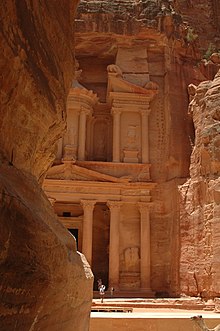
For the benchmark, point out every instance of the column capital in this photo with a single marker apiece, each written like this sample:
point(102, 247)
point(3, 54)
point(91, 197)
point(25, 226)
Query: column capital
point(144, 206)
point(114, 204)
point(116, 111)
point(88, 204)
point(85, 111)
point(76, 108)
point(145, 111)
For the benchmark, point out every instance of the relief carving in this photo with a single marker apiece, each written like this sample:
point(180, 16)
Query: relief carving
point(131, 259)
point(131, 139)
point(131, 145)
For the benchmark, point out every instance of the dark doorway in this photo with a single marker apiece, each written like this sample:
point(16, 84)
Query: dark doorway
point(100, 249)
point(75, 233)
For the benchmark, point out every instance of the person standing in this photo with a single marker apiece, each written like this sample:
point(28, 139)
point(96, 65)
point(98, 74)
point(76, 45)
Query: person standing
point(102, 292)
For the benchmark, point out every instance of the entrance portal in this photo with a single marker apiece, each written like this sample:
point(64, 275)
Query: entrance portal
point(100, 249)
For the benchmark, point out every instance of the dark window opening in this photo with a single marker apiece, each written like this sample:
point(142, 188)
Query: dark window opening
point(66, 214)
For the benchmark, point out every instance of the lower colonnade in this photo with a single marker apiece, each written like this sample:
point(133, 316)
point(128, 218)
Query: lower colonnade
point(114, 241)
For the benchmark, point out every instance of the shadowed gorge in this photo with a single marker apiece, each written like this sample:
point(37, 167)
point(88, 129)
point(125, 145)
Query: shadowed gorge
point(45, 284)
point(110, 118)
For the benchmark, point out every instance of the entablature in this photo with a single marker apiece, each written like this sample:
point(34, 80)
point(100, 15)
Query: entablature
point(121, 99)
point(75, 191)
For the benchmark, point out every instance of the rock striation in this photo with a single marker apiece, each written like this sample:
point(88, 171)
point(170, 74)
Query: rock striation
point(45, 284)
point(36, 60)
point(200, 197)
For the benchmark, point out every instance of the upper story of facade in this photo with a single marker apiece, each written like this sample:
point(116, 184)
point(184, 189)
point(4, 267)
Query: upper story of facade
point(107, 112)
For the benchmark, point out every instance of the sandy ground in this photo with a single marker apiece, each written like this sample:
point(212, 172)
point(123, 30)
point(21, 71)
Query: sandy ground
point(143, 312)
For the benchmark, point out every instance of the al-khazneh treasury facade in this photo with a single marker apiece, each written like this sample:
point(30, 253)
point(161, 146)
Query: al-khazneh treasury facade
point(100, 183)
point(116, 180)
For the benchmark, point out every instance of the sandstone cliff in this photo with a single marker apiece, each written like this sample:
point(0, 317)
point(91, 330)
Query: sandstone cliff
point(200, 197)
point(44, 283)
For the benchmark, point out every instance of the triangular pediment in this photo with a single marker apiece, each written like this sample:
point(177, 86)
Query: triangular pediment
point(71, 171)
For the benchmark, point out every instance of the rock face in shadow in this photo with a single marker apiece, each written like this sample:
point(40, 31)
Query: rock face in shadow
point(200, 212)
point(45, 284)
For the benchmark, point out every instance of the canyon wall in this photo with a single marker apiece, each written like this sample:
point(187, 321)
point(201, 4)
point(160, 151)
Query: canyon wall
point(172, 36)
point(45, 284)
point(200, 197)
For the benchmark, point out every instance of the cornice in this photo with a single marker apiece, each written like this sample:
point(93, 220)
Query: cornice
point(76, 183)
point(126, 97)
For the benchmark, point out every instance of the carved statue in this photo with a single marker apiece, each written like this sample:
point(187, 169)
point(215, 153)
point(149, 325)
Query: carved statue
point(201, 323)
point(78, 71)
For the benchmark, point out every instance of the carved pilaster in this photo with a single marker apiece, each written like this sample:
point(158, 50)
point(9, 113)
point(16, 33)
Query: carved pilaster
point(145, 134)
point(114, 207)
point(82, 134)
point(88, 207)
point(145, 246)
point(116, 134)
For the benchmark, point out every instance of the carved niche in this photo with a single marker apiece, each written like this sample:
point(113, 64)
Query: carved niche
point(99, 137)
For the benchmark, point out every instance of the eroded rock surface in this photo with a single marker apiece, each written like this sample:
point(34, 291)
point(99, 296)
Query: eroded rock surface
point(36, 71)
point(44, 283)
point(200, 213)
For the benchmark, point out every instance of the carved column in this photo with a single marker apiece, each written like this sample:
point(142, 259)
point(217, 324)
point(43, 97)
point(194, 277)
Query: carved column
point(88, 207)
point(145, 246)
point(116, 134)
point(145, 135)
point(82, 134)
point(114, 207)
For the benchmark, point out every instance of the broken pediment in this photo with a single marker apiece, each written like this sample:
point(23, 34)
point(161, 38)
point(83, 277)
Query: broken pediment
point(116, 83)
point(70, 171)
